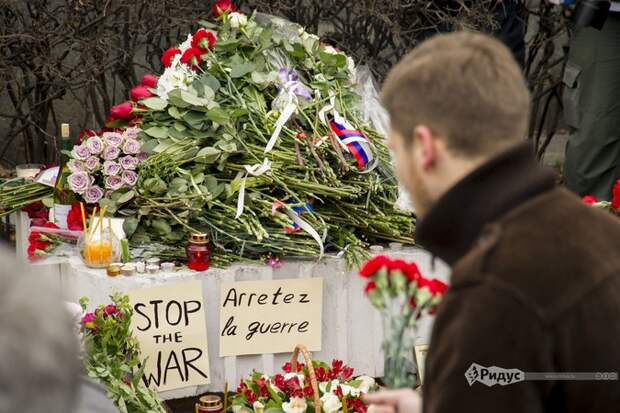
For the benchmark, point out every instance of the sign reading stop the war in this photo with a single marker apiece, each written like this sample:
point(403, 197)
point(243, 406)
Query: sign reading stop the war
point(169, 322)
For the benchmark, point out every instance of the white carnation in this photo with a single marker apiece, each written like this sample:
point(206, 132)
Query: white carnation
point(331, 403)
point(296, 405)
point(237, 20)
point(174, 77)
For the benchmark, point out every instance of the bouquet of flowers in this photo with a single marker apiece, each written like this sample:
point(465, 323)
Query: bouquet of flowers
point(612, 206)
point(292, 391)
point(102, 165)
point(398, 290)
point(113, 356)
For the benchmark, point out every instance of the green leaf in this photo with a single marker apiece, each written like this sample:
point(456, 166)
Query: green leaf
point(241, 70)
point(130, 225)
point(209, 154)
point(211, 82)
point(175, 112)
point(218, 115)
point(126, 197)
point(157, 131)
point(155, 103)
point(192, 99)
point(149, 146)
point(274, 410)
point(161, 226)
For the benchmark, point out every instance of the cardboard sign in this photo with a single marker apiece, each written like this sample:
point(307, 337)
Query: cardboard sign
point(259, 317)
point(169, 322)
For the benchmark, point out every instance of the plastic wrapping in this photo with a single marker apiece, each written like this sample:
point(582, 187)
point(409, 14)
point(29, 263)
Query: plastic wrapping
point(66, 241)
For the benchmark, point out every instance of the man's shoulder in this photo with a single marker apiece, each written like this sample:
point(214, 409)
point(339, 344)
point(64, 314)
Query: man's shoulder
point(551, 252)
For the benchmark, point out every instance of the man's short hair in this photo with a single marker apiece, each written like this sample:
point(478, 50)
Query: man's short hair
point(466, 87)
point(39, 364)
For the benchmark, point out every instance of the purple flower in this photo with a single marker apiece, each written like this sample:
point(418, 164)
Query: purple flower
point(76, 166)
point(128, 162)
point(131, 147)
point(92, 164)
point(113, 138)
point(111, 168)
point(110, 153)
point(142, 156)
point(93, 194)
point(113, 182)
point(130, 178)
point(78, 182)
point(80, 152)
point(132, 133)
point(94, 145)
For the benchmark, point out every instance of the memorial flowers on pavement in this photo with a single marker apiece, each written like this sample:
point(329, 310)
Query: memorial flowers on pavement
point(399, 291)
point(112, 356)
point(291, 391)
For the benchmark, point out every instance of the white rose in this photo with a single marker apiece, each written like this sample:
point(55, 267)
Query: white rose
point(331, 403)
point(296, 405)
point(367, 383)
point(237, 20)
point(349, 390)
point(258, 407)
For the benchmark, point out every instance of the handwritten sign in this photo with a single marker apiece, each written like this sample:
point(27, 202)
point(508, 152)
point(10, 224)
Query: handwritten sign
point(259, 317)
point(169, 322)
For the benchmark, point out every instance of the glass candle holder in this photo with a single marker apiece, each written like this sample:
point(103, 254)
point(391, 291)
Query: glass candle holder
point(99, 250)
point(198, 252)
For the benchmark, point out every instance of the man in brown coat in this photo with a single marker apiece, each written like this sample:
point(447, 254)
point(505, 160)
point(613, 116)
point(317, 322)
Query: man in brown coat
point(535, 285)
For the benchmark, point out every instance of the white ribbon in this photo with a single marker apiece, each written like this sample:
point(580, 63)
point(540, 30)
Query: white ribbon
point(303, 225)
point(286, 114)
point(254, 170)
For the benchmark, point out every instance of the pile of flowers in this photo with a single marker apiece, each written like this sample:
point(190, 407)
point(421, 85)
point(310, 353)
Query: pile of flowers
point(112, 356)
point(291, 391)
point(402, 295)
point(101, 165)
point(613, 206)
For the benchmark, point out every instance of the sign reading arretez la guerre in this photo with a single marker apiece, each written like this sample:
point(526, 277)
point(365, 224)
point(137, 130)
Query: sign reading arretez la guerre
point(261, 317)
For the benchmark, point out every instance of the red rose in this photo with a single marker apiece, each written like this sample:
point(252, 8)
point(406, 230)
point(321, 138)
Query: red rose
point(615, 195)
point(373, 265)
point(192, 58)
point(74, 218)
point(149, 80)
point(370, 287)
point(168, 55)
point(589, 199)
point(122, 111)
point(203, 39)
point(140, 92)
point(223, 6)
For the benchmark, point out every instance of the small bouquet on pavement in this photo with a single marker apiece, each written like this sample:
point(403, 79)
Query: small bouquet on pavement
point(398, 290)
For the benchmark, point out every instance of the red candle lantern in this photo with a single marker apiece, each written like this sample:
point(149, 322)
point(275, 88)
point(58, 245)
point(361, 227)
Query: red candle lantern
point(198, 252)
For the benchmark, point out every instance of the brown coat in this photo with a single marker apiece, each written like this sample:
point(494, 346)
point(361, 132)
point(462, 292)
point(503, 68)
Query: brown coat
point(535, 287)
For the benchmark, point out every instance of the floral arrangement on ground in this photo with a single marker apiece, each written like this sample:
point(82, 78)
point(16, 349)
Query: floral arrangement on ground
point(253, 134)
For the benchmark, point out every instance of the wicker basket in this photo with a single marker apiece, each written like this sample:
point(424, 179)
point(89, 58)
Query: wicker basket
point(300, 348)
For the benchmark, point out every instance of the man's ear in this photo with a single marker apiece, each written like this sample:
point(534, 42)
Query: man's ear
point(425, 146)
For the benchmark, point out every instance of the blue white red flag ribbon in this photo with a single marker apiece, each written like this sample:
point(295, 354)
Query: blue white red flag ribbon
point(294, 213)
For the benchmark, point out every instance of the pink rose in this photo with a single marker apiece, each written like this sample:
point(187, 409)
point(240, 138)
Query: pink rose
point(94, 145)
point(128, 162)
point(78, 182)
point(132, 133)
point(113, 138)
point(92, 164)
point(110, 153)
point(93, 194)
point(80, 152)
point(76, 166)
point(111, 168)
point(130, 178)
point(131, 147)
point(113, 182)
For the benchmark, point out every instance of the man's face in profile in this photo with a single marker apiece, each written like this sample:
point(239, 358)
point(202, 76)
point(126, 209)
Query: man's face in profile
point(407, 160)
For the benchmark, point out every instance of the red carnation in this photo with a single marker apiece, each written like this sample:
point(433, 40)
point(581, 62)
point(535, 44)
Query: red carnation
point(251, 396)
point(373, 265)
point(168, 55)
point(370, 287)
point(36, 210)
point(122, 111)
point(140, 92)
point(437, 287)
point(223, 6)
point(589, 199)
point(615, 195)
point(192, 58)
point(74, 218)
point(149, 80)
point(203, 39)
point(412, 272)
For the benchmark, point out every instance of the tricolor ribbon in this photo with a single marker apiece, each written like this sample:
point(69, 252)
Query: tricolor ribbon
point(254, 170)
point(353, 141)
point(294, 213)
